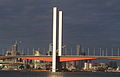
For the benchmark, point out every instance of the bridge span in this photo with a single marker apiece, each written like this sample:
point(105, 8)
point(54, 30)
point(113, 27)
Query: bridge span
point(62, 58)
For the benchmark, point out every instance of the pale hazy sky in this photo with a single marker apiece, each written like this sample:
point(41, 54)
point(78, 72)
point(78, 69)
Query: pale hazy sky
point(91, 23)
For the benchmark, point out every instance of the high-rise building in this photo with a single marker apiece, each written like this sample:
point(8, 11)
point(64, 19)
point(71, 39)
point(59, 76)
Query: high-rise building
point(14, 49)
point(78, 49)
point(50, 49)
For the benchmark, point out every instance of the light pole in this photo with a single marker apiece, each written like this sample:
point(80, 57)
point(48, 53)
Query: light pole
point(112, 51)
point(100, 51)
point(118, 51)
point(88, 51)
point(71, 51)
point(106, 51)
point(94, 52)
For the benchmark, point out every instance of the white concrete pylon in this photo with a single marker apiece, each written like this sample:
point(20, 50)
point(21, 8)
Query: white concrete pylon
point(60, 34)
point(54, 39)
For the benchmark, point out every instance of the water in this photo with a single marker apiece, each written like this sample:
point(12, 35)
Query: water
point(58, 74)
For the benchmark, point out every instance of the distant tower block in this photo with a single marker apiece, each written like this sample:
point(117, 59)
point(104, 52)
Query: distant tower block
point(14, 49)
point(50, 49)
point(78, 50)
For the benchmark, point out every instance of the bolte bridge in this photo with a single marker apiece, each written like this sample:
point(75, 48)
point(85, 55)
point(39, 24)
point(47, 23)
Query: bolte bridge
point(61, 58)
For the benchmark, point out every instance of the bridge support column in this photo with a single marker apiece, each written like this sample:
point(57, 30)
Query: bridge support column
point(59, 67)
point(60, 34)
point(57, 38)
point(54, 39)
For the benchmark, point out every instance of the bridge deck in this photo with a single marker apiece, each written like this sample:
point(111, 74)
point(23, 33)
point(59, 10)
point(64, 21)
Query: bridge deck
point(62, 58)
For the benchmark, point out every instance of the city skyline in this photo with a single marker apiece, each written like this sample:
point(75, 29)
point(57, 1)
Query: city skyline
point(93, 24)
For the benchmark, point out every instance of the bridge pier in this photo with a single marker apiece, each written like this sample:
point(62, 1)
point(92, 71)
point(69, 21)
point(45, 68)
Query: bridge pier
point(56, 38)
point(59, 67)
